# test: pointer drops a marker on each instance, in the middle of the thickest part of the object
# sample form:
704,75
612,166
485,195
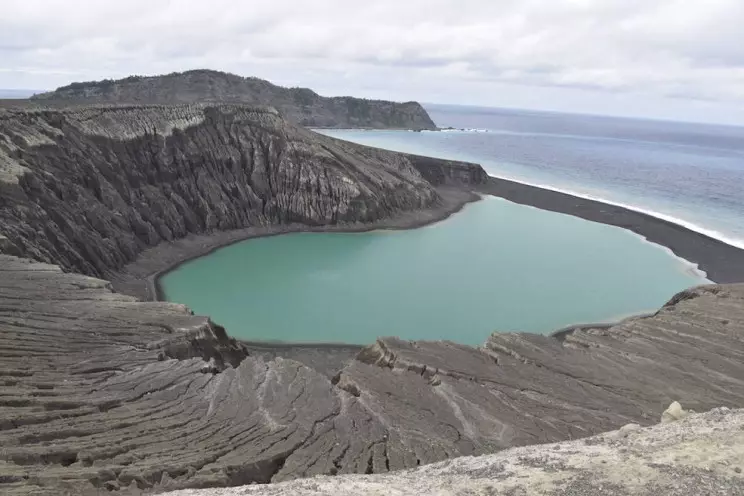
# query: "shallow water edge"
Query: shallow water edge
142,277
481,271
720,262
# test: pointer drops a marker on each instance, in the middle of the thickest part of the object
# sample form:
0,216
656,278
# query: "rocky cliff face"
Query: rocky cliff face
441,172
299,105
101,392
89,188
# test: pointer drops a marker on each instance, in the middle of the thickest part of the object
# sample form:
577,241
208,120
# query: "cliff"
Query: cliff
102,392
298,105
90,188
700,455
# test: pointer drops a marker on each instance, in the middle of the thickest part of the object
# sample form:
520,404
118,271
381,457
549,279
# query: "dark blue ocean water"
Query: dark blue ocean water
692,174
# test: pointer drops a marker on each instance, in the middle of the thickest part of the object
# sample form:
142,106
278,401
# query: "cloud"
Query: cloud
666,48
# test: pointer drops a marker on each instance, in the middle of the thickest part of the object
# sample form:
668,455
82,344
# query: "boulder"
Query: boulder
673,413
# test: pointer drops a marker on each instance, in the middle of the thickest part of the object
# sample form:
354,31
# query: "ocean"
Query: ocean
496,266
690,174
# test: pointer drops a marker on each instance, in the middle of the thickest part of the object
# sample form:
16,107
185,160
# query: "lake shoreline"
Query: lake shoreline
722,263
141,278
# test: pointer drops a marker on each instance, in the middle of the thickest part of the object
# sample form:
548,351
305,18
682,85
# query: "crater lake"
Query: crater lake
494,266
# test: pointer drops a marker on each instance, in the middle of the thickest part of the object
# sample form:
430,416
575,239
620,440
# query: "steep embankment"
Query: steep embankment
90,188
299,105
103,392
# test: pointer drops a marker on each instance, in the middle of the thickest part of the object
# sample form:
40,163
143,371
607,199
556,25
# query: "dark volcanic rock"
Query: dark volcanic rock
699,455
440,172
89,188
299,105
102,392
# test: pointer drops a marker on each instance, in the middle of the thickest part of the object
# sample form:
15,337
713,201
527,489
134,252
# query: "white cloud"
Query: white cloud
684,49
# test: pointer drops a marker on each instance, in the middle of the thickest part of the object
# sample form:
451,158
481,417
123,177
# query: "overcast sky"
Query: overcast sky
673,59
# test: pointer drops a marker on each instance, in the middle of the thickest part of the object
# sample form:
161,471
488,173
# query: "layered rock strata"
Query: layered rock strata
701,455
104,392
90,188
299,105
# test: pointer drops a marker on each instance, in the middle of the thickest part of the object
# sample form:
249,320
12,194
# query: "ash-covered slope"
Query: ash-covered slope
702,454
101,392
89,188
299,105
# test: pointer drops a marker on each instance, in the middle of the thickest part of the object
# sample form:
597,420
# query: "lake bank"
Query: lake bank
658,179
109,358
495,266
722,262
141,277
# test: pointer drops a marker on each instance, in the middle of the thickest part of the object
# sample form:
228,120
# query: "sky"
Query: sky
667,59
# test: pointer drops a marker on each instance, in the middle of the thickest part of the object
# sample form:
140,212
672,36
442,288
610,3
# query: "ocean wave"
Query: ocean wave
462,130
711,233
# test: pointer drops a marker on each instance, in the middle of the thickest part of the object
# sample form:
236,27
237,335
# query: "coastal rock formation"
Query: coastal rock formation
702,455
440,172
89,188
101,391
299,105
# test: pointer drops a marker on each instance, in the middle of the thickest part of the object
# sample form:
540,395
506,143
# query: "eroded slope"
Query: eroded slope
99,391
700,455
103,392
89,188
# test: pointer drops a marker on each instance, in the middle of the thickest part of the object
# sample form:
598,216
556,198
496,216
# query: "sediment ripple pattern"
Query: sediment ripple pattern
102,392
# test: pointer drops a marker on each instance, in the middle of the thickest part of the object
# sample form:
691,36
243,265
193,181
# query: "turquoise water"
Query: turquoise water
495,266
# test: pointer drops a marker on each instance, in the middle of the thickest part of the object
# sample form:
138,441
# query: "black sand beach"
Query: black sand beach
722,262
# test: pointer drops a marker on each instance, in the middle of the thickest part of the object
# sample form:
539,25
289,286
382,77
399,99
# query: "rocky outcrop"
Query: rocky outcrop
299,105
90,188
104,392
702,455
674,413
440,172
